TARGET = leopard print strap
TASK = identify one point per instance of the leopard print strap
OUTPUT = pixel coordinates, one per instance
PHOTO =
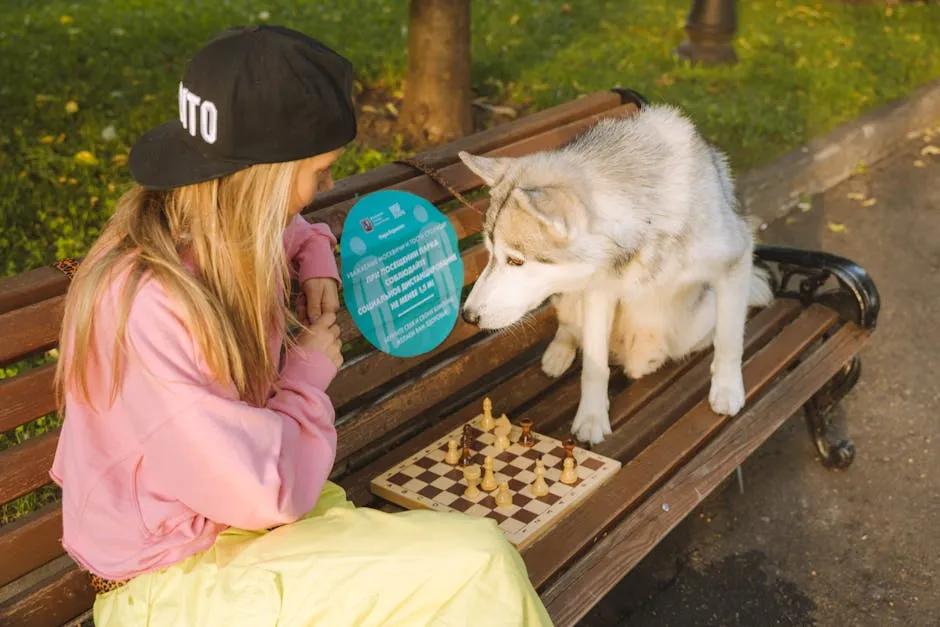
(68, 266)
(104, 586)
(437, 177)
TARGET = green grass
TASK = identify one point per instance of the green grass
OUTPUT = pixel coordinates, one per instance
(804, 69)
(79, 81)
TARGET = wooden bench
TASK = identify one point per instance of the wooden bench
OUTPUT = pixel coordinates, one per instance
(800, 352)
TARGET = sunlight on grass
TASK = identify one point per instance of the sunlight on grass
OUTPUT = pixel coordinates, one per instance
(82, 80)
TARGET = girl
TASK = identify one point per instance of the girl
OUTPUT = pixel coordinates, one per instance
(198, 437)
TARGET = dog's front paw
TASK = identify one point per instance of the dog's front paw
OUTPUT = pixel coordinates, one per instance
(591, 424)
(727, 394)
(557, 358)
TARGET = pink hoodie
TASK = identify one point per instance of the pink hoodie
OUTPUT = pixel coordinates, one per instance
(155, 477)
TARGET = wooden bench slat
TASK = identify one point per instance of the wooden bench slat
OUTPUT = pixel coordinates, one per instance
(42, 283)
(363, 375)
(31, 287)
(610, 502)
(36, 327)
(30, 542)
(483, 141)
(30, 329)
(552, 414)
(461, 178)
(572, 594)
(55, 600)
(27, 396)
(649, 422)
(25, 467)
(433, 387)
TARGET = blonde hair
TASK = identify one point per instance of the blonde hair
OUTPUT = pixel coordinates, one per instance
(232, 229)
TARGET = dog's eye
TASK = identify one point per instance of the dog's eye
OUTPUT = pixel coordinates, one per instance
(514, 261)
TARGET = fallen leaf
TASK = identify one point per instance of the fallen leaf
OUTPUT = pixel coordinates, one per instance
(870, 202)
(84, 157)
(790, 220)
(149, 98)
(514, 19)
(804, 205)
(111, 187)
(566, 8)
(119, 160)
(46, 139)
(836, 227)
(918, 163)
(391, 108)
(71, 107)
(855, 196)
(930, 150)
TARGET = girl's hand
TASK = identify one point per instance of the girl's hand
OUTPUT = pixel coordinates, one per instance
(323, 335)
(320, 296)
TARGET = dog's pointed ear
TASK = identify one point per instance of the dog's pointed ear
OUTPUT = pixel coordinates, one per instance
(561, 212)
(491, 170)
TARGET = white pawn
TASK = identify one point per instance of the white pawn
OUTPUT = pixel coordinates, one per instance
(569, 475)
(503, 497)
(453, 456)
(489, 478)
(539, 487)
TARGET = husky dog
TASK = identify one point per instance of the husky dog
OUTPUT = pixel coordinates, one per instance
(634, 232)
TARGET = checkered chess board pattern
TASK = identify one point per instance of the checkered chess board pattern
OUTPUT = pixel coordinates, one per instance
(426, 481)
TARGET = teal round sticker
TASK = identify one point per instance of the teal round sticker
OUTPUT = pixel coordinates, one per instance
(402, 272)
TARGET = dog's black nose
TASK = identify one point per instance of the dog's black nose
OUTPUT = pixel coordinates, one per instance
(470, 317)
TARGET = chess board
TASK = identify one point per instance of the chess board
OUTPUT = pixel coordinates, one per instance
(426, 481)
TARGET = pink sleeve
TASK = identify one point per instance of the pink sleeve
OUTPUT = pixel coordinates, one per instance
(310, 250)
(236, 464)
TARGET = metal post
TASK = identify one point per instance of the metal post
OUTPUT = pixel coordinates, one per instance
(710, 28)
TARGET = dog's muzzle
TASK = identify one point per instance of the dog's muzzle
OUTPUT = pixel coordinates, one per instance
(469, 316)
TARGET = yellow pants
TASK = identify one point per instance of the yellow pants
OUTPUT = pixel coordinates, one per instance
(339, 565)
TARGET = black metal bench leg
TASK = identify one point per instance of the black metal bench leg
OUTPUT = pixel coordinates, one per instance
(834, 453)
(804, 274)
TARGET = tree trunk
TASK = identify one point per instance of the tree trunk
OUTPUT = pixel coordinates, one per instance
(437, 105)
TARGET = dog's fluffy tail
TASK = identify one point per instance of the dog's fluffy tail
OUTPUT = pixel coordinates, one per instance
(760, 294)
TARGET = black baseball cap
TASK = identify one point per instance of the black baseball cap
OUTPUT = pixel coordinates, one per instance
(255, 94)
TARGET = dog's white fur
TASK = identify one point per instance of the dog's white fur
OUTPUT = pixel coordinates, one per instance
(634, 232)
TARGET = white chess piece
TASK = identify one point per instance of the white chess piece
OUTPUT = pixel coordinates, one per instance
(502, 430)
(569, 475)
(453, 455)
(489, 478)
(503, 497)
(472, 475)
(487, 422)
(539, 487)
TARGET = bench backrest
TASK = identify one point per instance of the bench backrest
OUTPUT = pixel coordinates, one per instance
(378, 397)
